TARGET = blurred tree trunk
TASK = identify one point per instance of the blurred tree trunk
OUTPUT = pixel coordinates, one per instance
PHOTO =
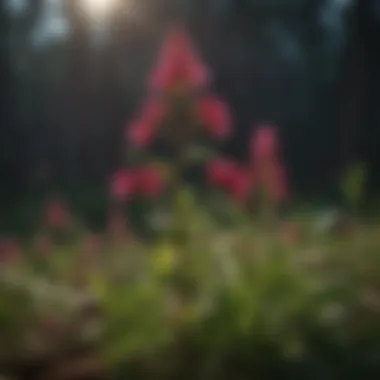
(371, 122)
(6, 93)
(15, 57)
(360, 87)
(354, 86)
(72, 145)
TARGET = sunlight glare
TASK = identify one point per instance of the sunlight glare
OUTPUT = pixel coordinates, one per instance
(97, 9)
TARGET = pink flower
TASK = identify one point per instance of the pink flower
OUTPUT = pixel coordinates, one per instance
(122, 185)
(56, 214)
(264, 143)
(214, 114)
(178, 65)
(229, 176)
(143, 130)
(146, 181)
(220, 172)
(149, 182)
(141, 133)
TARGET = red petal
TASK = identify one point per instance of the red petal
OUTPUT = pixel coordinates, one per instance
(215, 115)
(220, 172)
(141, 133)
(178, 64)
(122, 185)
(150, 182)
(228, 175)
(264, 143)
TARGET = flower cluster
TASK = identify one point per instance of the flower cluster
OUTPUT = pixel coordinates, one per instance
(265, 172)
(231, 177)
(146, 181)
(179, 74)
(178, 83)
(119, 300)
(179, 66)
